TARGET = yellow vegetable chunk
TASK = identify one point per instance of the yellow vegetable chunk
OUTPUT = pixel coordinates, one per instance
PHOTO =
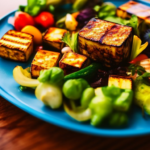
(35, 32)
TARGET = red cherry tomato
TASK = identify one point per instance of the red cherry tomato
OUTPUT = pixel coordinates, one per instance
(138, 58)
(44, 19)
(22, 19)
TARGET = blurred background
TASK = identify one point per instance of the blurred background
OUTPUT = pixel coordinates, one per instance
(7, 6)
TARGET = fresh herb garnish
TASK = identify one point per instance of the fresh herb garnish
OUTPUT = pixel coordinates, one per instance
(71, 41)
(134, 68)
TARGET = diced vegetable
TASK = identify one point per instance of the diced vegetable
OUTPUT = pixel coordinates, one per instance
(54, 75)
(49, 94)
(35, 32)
(137, 48)
(73, 88)
(138, 59)
(85, 73)
(21, 20)
(101, 107)
(44, 19)
(118, 119)
(71, 23)
(87, 96)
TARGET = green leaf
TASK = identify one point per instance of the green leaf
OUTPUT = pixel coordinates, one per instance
(71, 41)
(133, 22)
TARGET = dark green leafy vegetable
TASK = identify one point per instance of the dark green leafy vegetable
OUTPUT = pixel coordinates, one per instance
(134, 68)
(86, 73)
(71, 40)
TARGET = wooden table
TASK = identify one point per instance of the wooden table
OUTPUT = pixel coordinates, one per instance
(21, 131)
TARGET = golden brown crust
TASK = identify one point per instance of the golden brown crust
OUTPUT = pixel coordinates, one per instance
(44, 60)
(16, 45)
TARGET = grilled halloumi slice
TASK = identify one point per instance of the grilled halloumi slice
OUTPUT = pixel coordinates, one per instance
(53, 37)
(72, 62)
(43, 60)
(105, 41)
(122, 82)
(16, 46)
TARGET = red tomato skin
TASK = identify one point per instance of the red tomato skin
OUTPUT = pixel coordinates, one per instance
(138, 58)
(44, 19)
(23, 19)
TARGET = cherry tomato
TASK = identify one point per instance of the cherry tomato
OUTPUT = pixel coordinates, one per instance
(138, 58)
(44, 19)
(22, 19)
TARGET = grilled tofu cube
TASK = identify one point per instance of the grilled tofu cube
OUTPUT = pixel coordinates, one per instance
(72, 62)
(132, 7)
(123, 82)
(105, 42)
(16, 45)
(53, 37)
(43, 60)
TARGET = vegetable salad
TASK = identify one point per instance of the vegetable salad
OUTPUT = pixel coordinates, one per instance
(87, 89)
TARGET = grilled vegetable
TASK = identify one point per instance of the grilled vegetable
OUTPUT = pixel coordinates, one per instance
(22, 77)
(138, 58)
(72, 62)
(12, 49)
(105, 42)
(43, 60)
(123, 82)
(86, 73)
(53, 37)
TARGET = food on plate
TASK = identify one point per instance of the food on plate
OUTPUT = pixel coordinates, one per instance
(141, 92)
(94, 64)
(49, 90)
(43, 60)
(37, 35)
(23, 77)
(137, 48)
(106, 42)
(44, 19)
(73, 88)
(86, 73)
(70, 22)
(132, 7)
(123, 82)
(71, 62)
(138, 58)
(22, 19)
(53, 37)
(71, 41)
(16, 46)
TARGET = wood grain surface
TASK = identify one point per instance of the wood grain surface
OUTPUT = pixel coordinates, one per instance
(21, 131)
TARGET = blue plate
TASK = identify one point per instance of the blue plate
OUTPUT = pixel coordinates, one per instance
(27, 101)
